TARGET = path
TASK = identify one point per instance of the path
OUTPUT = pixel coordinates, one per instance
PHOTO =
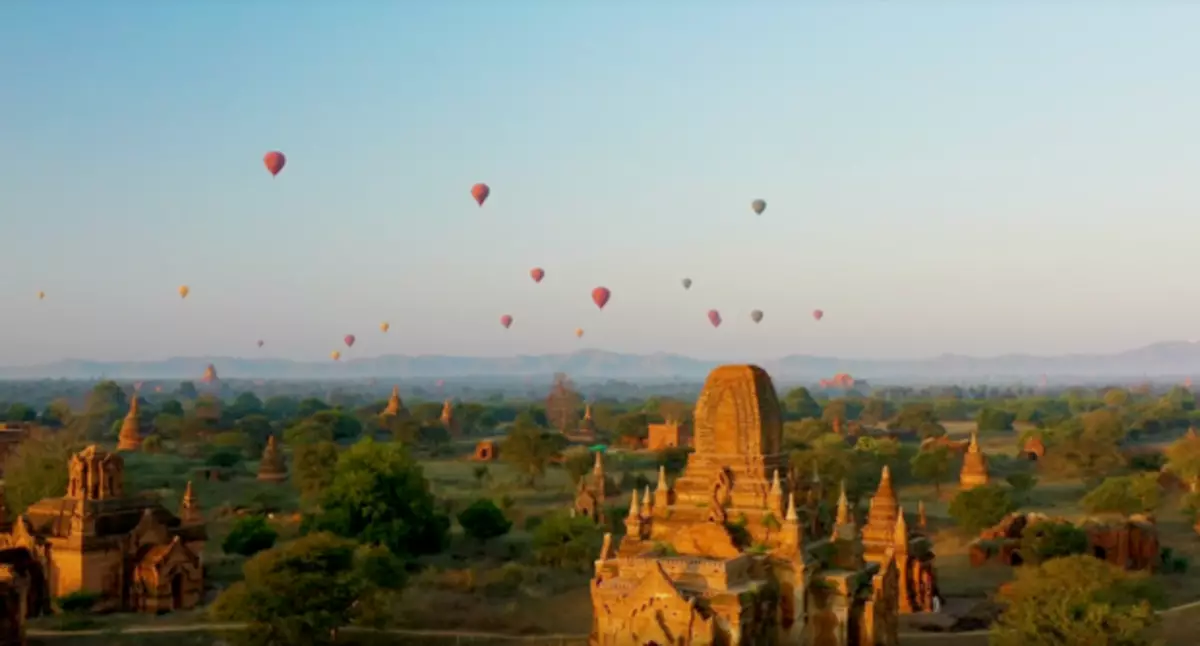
(228, 627)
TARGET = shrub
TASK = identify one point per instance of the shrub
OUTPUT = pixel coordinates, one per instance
(249, 536)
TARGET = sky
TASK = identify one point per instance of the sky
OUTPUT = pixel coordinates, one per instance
(998, 177)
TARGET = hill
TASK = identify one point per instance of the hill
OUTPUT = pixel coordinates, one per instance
(1168, 360)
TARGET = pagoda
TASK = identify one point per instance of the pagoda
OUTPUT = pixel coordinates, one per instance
(130, 437)
(592, 492)
(720, 556)
(272, 467)
(449, 421)
(974, 469)
(886, 538)
(395, 407)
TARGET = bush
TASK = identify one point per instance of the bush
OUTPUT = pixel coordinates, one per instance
(976, 509)
(1125, 495)
(249, 536)
(81, 601)
(1047, 540)
(483, 520)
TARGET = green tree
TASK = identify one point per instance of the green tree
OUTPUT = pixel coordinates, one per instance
(578, 462)
(974, 510)
(561, 541)
(310, 406)
(876, 410)
(1116, 397)
(483, 521)
(1021, 483)
(632, 425)
(171, 407)
(912, 417)
(57, 414)
(307, 432)
(249, 536)
(1050, 539)
(528, 448)
(379, 494)
(256, 428)
(797, 435)
(1130, 494)
(1183, 460)
(1076, 600)
(1103, 425)
(37, 468)
(313, 465)
(994, 419)
(932, 465)
(302, 592)
(841, 409)
(799, 403)
(20, 413)
(106, 403)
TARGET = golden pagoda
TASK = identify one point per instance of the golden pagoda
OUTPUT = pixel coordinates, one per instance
(719, 558)
(449, 421)
(130, 437)
(974, 469)
(189, 508)
(886, 538)
(272, 467)
(592, 492)
(395, 407)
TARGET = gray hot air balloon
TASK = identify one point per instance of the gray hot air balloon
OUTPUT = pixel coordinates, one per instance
(687, 283)
(758, 206)
(756, 316)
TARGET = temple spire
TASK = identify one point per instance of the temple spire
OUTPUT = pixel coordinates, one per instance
(791, 509)
(130, 437)
(843, 507)
(189, 507)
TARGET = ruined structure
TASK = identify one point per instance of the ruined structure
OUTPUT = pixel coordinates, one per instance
(1033, 449)
(449, 421)
(720, 557)
(974, 469)
(395, 407)
(592, 491)
(887, 536)
(487, 451)
(126, 548)
(272, 467)
(1131, 543)
(130, 437)
(668, 435)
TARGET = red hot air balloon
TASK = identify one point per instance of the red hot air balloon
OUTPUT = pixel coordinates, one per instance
(260, 343)
(506, 321)
(714, 317)
(600, 296)
(818, 314)
(537, 274)
(274, 161)
(349, 340)
(480, 192)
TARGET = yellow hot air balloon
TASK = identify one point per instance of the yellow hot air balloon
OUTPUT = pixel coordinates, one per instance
(335, 355)
(385, 326)
(41, 295)
(579, 332)
(184, 290)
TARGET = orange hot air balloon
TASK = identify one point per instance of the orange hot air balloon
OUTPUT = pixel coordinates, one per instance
(274, 161)
(41, 295)
(818, 314)
(600, 296)
(158, 389)
(349, 339)
(537, 274)
(384, 327)
(714, 317)
(480, 192)
(506, 321)
(335, 355)
(579, 333)
(184, 290)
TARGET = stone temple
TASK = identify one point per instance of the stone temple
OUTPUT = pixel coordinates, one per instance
(719, 558)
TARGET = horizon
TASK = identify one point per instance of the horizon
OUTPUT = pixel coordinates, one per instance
(965, 187)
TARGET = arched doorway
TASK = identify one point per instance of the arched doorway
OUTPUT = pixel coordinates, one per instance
(177, 591)
(1100, 553)
(1015, 559)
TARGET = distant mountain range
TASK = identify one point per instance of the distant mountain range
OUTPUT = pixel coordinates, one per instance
(1168, 360)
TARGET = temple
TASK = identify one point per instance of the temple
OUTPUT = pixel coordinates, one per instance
(130, 437)
(395, 407)
(272, 467)
(592, 491)
(720, 556)
(126, 548)
(886, 536)
(974, 469)
(667, 435)
(449, 421)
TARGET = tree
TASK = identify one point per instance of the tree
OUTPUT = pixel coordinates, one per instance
(803, 433)
(106, 403)
(912, 417)
(313, 465)
(249, 536)
(841, 409)
(1183, 460)
(577, 462)
(246, 404)
(37, 468)
(994, 419)
(379, 494)
(1076, 600)
(563, 405)
(57, 414)
(977, 509)
(302, 592)
(633, 426)
(256, 428)
(673, 459)
(876, 410)
(20, 413)
(171, 407)
(566, 542)
(932, 465)
(1116, 397)
(1103, 425)
(1050, 539)
(799, 403)
(483, 521)
(307, 432)
(341, 426)
(1021, 483)
(187, 390)
(1082, 456)
(1130, 494)
(528, 449)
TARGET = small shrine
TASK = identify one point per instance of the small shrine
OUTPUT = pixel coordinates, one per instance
(592, 492)
(486, 451)
(449, 421)
(974, 469)
(395, 407)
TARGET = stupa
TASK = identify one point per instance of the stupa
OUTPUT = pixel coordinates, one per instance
(272, 467)
(130, 437)
(449, 421)
(395, 407)
(974, 469)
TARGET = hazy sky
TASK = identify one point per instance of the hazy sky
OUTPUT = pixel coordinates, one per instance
(1009, 176)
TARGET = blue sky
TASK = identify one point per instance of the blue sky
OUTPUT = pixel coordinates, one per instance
(1009, 176)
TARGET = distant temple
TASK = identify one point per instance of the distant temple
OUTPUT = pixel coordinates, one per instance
(395, 407)
(592, 492)
(974, 469)
(272, 467)
(449, 421)
(130, 437)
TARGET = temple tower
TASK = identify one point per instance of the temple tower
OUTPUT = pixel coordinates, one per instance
(974, 470)
(272, 467)
(877, 535)
(449, 421)
(189, 508)
(130, 437)
(394, 405)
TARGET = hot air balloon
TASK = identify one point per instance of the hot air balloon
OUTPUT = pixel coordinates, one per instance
(184, 290)
(687, 283)
(506, 321)
(756, 316)
(274, 161)
(537, 274)
(349, 339)
(335, 355)
(758, 206)
(260, 343)
(714, 317)
(818, 314)
(384, 327)
(480, 192)
(579, 333)
(600, 296)
(137, 385)
(41, 295)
